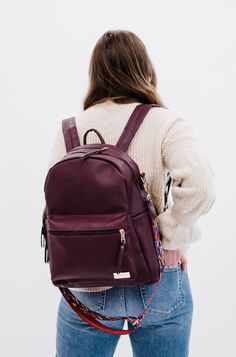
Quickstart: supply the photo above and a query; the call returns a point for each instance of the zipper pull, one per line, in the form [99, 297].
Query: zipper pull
[46, 257]
[96, 151]
[122, 235]
[122, 248]
[44, 243]
[42, 237]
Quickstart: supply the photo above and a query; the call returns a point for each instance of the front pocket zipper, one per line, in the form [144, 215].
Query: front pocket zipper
[121, 231]
[89, 232]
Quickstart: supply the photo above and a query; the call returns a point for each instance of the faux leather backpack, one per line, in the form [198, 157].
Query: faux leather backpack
[98, 225]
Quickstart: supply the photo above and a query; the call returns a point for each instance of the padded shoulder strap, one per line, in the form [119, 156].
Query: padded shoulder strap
[133, 124]
[70, 133]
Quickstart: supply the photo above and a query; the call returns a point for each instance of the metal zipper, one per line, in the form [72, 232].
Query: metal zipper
[96, 151]
[122, 248]
[87, 232]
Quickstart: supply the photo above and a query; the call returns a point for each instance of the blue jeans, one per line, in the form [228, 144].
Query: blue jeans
[164, 332]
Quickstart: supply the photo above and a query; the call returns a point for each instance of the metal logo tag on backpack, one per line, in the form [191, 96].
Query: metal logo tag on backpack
[124, 274]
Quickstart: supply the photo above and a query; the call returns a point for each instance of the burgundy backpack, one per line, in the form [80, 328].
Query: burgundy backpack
[99, 225]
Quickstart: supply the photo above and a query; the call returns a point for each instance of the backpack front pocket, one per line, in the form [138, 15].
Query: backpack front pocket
[77, 255]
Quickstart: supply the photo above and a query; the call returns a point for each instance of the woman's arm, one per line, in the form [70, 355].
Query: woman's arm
[192, 186]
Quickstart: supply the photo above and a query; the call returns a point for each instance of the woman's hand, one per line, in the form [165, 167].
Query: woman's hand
[173, 257]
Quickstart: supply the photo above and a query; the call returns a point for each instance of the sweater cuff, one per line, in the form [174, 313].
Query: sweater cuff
[170, 245]
[177, 234]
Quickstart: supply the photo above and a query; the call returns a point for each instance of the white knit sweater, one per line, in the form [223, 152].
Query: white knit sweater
[164, 142]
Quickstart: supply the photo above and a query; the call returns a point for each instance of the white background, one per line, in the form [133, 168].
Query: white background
[45, 52]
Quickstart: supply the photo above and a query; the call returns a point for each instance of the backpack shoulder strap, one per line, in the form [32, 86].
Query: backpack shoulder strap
[70, 133]
[133, 124]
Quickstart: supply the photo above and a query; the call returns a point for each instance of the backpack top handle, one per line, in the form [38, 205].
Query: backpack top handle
[98, 134]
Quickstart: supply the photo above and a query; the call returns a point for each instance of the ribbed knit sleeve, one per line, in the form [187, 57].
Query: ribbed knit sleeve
[192, 189]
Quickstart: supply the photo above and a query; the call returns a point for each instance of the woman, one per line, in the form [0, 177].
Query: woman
[121, 77]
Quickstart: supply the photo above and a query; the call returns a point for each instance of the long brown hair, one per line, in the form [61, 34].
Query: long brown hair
[121, 70]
